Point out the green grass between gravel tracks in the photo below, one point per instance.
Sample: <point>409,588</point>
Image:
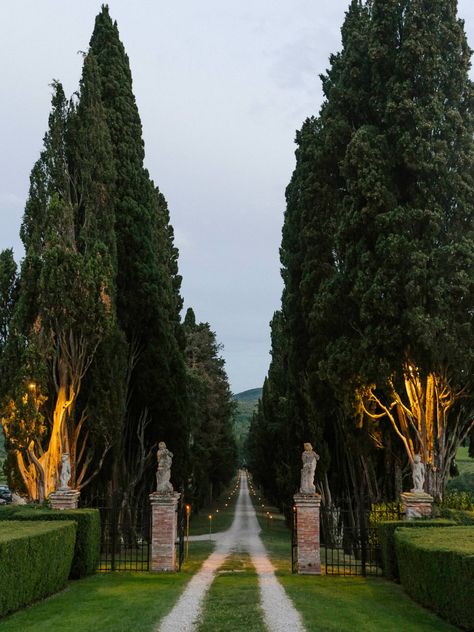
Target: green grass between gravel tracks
<point>340,604</point>
<point>233,601</point>
<point>110,602</point>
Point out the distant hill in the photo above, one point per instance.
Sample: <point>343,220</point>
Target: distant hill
<point>253,395</point>
<point>246,403</point>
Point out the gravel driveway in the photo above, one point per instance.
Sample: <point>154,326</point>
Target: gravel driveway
<point>243,536</point>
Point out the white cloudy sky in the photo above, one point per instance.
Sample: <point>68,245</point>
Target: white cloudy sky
<point>221,88</point>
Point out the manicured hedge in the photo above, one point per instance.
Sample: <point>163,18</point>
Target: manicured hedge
<point>87,549</point>
<point>386,531</point>
<point>437,570</point>
<point>35,561</point>
<point>459,516</point>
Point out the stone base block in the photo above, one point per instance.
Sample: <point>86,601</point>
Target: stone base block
<point>416,505</point>
<point>64,499</point>
<point>163,531</point>
<point>307,533</point>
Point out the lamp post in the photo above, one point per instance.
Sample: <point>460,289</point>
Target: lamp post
<point>210,526</point>
<point>188,511</point>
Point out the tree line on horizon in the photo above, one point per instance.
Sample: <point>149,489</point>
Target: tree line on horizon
<point>372,351</point>
<point>94,358</point>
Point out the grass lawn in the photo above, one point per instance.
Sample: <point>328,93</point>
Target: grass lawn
<point>109,602</point>
<point>465,481</point>
<point>233,601</point>
<point>330,604</point>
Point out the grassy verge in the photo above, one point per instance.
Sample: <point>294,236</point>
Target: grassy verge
<point>233,601</point>
<point>330,604</point>
<point>112,602</point>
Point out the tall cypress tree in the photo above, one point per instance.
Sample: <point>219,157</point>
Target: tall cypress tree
<point>148,283</point>
<point>65,306</point>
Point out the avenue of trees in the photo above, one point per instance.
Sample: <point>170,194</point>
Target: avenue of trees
<point>372,351</point>
<point>94,358</point>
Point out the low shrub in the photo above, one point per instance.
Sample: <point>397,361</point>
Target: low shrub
<point>386,532</point>
<point>87,549</point>
<point>459,516</point>
<point>457,499</point>
<point>35,561</point>
<point>437,570</point>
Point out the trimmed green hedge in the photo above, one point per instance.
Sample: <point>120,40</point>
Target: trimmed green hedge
<point>437,570</point>
<point>386,531</point>
<point>459,516</point>
<point>87,549</point>
<point>35,561</point>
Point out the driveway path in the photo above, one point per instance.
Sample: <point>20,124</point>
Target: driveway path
<point>279,612</point>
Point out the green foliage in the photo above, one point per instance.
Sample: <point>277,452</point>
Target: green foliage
<point>386,532</point>
<point>87,543</point>
<point>463,481</point>
<point>119,601</point>
<point>437,570</point>
<point>454,499</point>
<point>459,516</point>
<point>35,559</point>
<point>377,259</point>
<point>214,452</point>
<point>247,403</point>
<point>148,283</point>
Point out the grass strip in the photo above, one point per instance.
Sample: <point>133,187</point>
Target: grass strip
<point>233,601</point>
<point>342,604</point>
<point>110,602</point>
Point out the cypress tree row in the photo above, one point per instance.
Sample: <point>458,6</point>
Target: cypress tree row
<point>92,348</point>
<point>214,449</point>
<point>378,254</point>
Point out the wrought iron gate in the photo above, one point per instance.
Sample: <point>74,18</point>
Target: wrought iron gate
<point>125,535</point>
<point>349,537</point>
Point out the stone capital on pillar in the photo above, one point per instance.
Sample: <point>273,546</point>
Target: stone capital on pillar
<point>64,499</point>
<point>307,507</point>
<point>163,531</point>
<point>417,505</point>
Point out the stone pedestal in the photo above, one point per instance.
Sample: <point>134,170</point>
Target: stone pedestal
<point>417,505</point>
<point>64,499</point>
<point>307,533</point>
<point>163,531</point>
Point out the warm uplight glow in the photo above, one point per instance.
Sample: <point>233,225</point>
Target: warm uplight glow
<point>32,386</point>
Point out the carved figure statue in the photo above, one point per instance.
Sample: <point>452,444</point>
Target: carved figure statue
<point>309,458</point>
<point>418,471</point>
<point>163,473</point>
<point>65,472</point>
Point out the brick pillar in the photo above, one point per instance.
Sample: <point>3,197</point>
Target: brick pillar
<point>417,505</point>
<point>307,533</point>
<point>163,531</point>
<point>64,499</point>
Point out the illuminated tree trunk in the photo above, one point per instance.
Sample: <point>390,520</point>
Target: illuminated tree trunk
<point>425,420</point>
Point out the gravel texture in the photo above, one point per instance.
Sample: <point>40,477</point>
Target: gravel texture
<point>278,611</point>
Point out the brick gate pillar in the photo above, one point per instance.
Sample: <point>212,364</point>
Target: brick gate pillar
<point>163,531</point>
<point>307,533</point>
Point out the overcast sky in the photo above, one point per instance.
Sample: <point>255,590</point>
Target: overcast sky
<point>221,88</point>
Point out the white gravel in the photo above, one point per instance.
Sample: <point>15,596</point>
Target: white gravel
<point>279,612</point>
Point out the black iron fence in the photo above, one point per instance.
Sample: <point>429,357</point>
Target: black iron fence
<point>349,537</point>
<point>125,534</point>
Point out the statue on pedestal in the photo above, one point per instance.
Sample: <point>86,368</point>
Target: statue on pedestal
<point>65,473</point>
<point>163,473</point>
<point>309,458</point>
<point>418,472</point>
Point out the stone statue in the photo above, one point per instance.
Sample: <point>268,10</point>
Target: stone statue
<point>65,472</point>
<point>309,458</point>
<point>163,473</point>
<point>418,471</point>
